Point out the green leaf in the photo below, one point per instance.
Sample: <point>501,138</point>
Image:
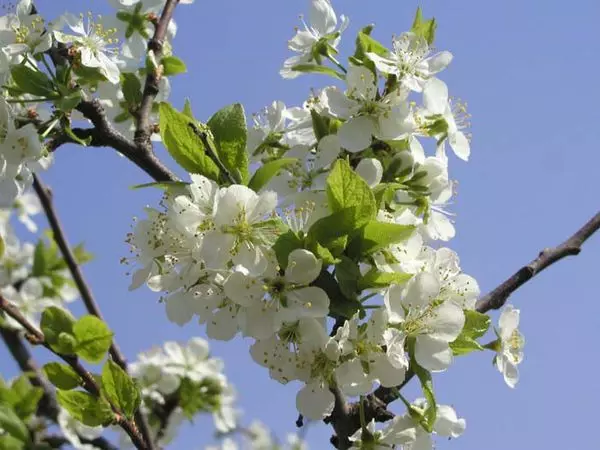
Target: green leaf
<point>93,338</point>
<point>33,81</point>
<point>187,109</point>
<point>376,235</point>
<point>62,376</point>
<point>476,325</point>
<point>172,65</point>
<point>267,171</point>
<point>424,376</point>
<point>120,389</point>
<point>132,89</point>
<point>284,245</point>
<point>375,279</point>
<point>347,189</point>
<point>340,306</point>
<point>2,247</point>
<point>314,68</point>
<point>331,231</point>
<point>69,102</point>
<point>26,396</point>
<point>39,259</point>
<point>366,44</point>
<point>57,325</point>
<point>164,185</point>
<point>184,145</point>
<point>8,442</point>
<point>81,254</point>
<point>195,397</point>
<point>228,126</point>
<point>347,274</point>
<point>426,28</point>
<point>12,424</point>
<point>87,409</point>
<point>320,124</point>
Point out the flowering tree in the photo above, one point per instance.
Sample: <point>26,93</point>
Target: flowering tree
<point>316,231</point>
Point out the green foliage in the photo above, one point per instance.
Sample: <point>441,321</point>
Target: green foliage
<point>25,396</point>
<point>366,44</point>
<point>340,306</point>
<point>285,244</point>
<point>2,246</point>
<point>195,397</point>
<point>7,442</point>
<point>267,171</point>
<point>94,338</point>
<point>172,65</point>
<point>347,189</point>
<point>132,90</point>
<point>321,124</point>
<point>375,279</point>
<point>120,389</point>
<point>57,326</point>
<point>12,424</point>
<point>424,28</point>
<point>168,186</point>
<point>347,274</point>
<point>376,235</point>
<point>228,126</point>
<point>33,82</point>
<point>62,376</point>
<point>184,144</point>
<point>476,325</point>
<point>315,68</point>
<point>430,414</point>
<point>86,408</point>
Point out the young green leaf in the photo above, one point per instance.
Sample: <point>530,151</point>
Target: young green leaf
<point>267,171</point>
<point>172,65</point>
<point>12,424</point>
<point>168,186</point>
<point>340,306</point>
<point>33,81</point>
<point>228,126</point>
<point>7,442</point>
<point>374,279</point>
<point>120,389</point>
<point>182,142</point>
<point>424,376</point>
<point>476,325</point>
<point>195,397</point>
<point>377,235</point>
<point>93,338</point>
<point>347,274</point>
<point>314,68</point>
<point>284,245</point>
<point>347,189</point>
<point>424,28</point>
<point>62,376</point>
<point>57,326</point>
<point>26,396</point>
<point>86,408</point>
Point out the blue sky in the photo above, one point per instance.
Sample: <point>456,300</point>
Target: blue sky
<point>528,71</point>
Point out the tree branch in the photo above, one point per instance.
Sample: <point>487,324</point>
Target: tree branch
<point>143,131</point>
<point>105,135</point>
<point>36,337</point>
<point>572,246</point>
<point>86,294</point>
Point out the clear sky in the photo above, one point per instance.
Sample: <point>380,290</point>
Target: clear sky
<point>529,72</point>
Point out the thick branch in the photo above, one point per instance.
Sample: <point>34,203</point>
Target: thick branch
<point>572,246</point>
<point>143,131</point>
<point>36,337</point>
<point>86,294</point>
<point>105,135</point>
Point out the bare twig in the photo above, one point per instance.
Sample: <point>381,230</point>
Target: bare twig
<point>572,246</point>
<point>143,131</point>
<point>86,294</point>
<point>106,135</point>
<point>36,337</point>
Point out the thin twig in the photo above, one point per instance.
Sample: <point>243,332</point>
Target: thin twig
<point>36,337</point>
<point>572,246</point>
<point>86,294</point>
<point>143,131</point>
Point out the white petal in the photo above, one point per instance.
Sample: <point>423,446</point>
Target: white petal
<point>509,321</point>
<point>308,301</point>
<point>303,267</point>
<point>355,134</point>
<point>435,96</point>
<point>381,368</point>
<point>314,402</point>
<point>178,309</point>
<point>432,354</point>
<point>336,103</point>
<point>421,290</point>
<point>439,62</point>
<point>447,423</point>
<point>327,151</point>
<point>446,322</point>
<point>243,290</point>
<point>322,17</point>
<point>460,144</point>
<point>371,170</point>
<point>223,324</point>
<point>361,83</point>
<point>511,373</point>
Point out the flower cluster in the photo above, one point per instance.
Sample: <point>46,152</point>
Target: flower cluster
<point>188,374</point>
